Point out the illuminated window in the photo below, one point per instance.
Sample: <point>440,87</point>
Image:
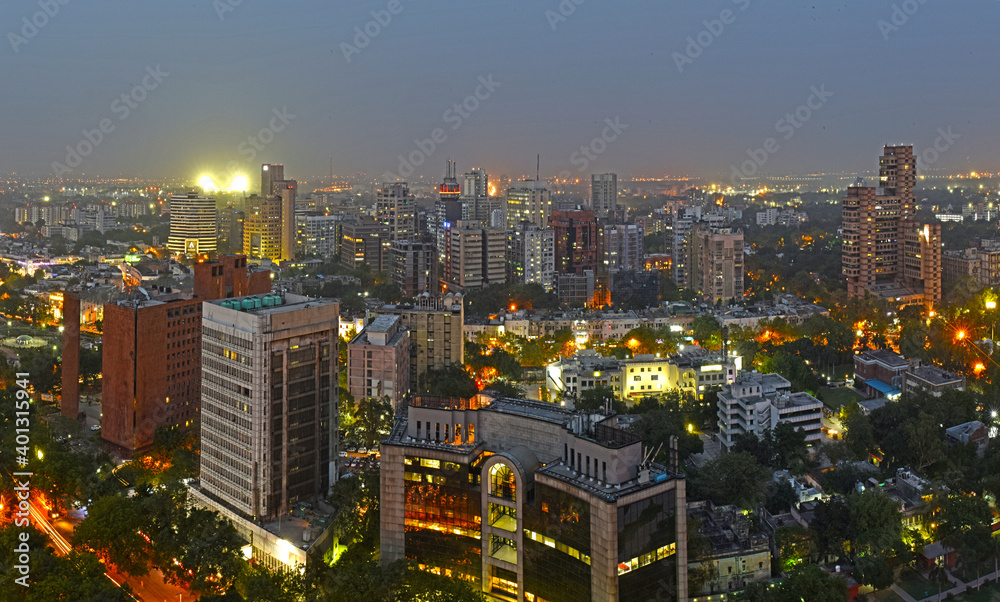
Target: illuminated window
<point>502,484</point>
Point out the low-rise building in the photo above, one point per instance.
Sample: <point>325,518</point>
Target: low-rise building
<point>378,361</point>
<point>931,380</point>
<point>756,402</point>
<point>728,557</point>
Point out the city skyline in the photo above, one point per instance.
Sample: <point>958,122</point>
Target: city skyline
<point>701,90</point>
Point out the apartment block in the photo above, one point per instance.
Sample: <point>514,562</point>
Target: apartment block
<point>756,402</point>
<point>531,255</point>
<point>378,361</point>
<point>435,324</point>
<point>412,266</point>
<point>475,257</point>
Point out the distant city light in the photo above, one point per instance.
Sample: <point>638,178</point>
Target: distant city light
<point>206,183</point>
<point>240,184</point>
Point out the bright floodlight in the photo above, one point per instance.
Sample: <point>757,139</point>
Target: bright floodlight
<point>239,184</point>
<point>206,183</point>
<point>991,305</point>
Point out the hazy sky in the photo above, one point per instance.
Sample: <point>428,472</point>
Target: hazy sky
<point>227,68</point>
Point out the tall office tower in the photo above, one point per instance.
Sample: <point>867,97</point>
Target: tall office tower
<point>475,257</point>
<point>287,190</point>
<point>396,208</point>
<point>532,501</point>
<point>230,230</point>
<point>577,241</point>
<point>717,262</point>
<point>886,252</point>
<point>152,353</point>
<point>476,184</point>
<point>378,361</point>
<point>623,246</point>
<point>435,323</point>
<point>528,201</point>
<point>262,228</point>
<point>448,208</point>
<point>678,231</point>
<point>270,175</point>
<point>412,266</point>
<point>531,253</point>
<point>269,402</point>
<point>604,194</point>
<point>69,403</point>
<point>318,235</point>
<point>365,243</point>
<point>192,225</point>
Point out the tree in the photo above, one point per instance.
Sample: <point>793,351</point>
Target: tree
<point>113,529</point>
<point>733,478</point>
<point>373,419</point>
<point>655,428</point>
<point>926,442</point>
<point>876,524</point>
<point>860,436</point>
<point>832,524</point>
<point>452,381</point>
<point>595,398</point>
<point>796,545</point>
<point>707,332</point>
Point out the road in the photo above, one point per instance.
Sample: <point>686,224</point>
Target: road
<point>150,588</point>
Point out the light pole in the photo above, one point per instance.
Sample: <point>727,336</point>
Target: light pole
<point>991,305</point>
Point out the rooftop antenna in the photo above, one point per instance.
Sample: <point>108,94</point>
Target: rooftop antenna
<point>538,165</point>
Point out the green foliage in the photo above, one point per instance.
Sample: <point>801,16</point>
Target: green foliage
<point>499,297</point>
<point>112,529</point>
<point>258,584</point>
<point>796,545</point>
<point>707,332</point>
<point>807,582</point>
<point>656,427</point>
<point>733,478</point>
<point>452,381</point>
<point>876,524</point>
<point>373,420</point>
<point>595,398</point>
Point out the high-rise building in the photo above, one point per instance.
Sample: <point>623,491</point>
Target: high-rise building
<point>412,266</point>
<point>528,201</point>
<point>476,184</point>
<point>365,243</point>
<point>447,209</point>
<point>318,234</point>
<point>378,361</point>
<point>886,251</point>
<point>623,246</point>
<point>262,228</point>
<point>269,402</point>
<point>531,255</point>
<point>395,207</point>
<point>230,230</point>
<point>270,175</point>
<point>530,501</point>
<point>287,190</point>
<point>577,241</point>
<point>604,194</point>
<point>152,353</point>
<point>475,257</point>
<point>435,323</point>
<point>192,225</point>
<point>717,261</point>
<point>678,231</point>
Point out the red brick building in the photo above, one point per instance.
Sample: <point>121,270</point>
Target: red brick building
<point>152,353</point>
<point>577,241</point>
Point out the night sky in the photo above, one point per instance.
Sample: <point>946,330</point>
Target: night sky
<point>226,72</point>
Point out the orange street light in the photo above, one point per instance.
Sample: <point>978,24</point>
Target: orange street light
<point>960,335</point>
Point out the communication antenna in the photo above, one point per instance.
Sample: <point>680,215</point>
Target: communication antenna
<point>538,165</point>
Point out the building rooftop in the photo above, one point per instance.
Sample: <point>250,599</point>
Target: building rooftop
<point>383,323</point>
<point>885,356</point>
<point>935,376</point>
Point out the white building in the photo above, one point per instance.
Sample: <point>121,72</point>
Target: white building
<point>192,224</point>
<point>269,411</point>
<point>603,194</point>
<point>756,402</point>
<point>531,255</point>
<point>317,234</point>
